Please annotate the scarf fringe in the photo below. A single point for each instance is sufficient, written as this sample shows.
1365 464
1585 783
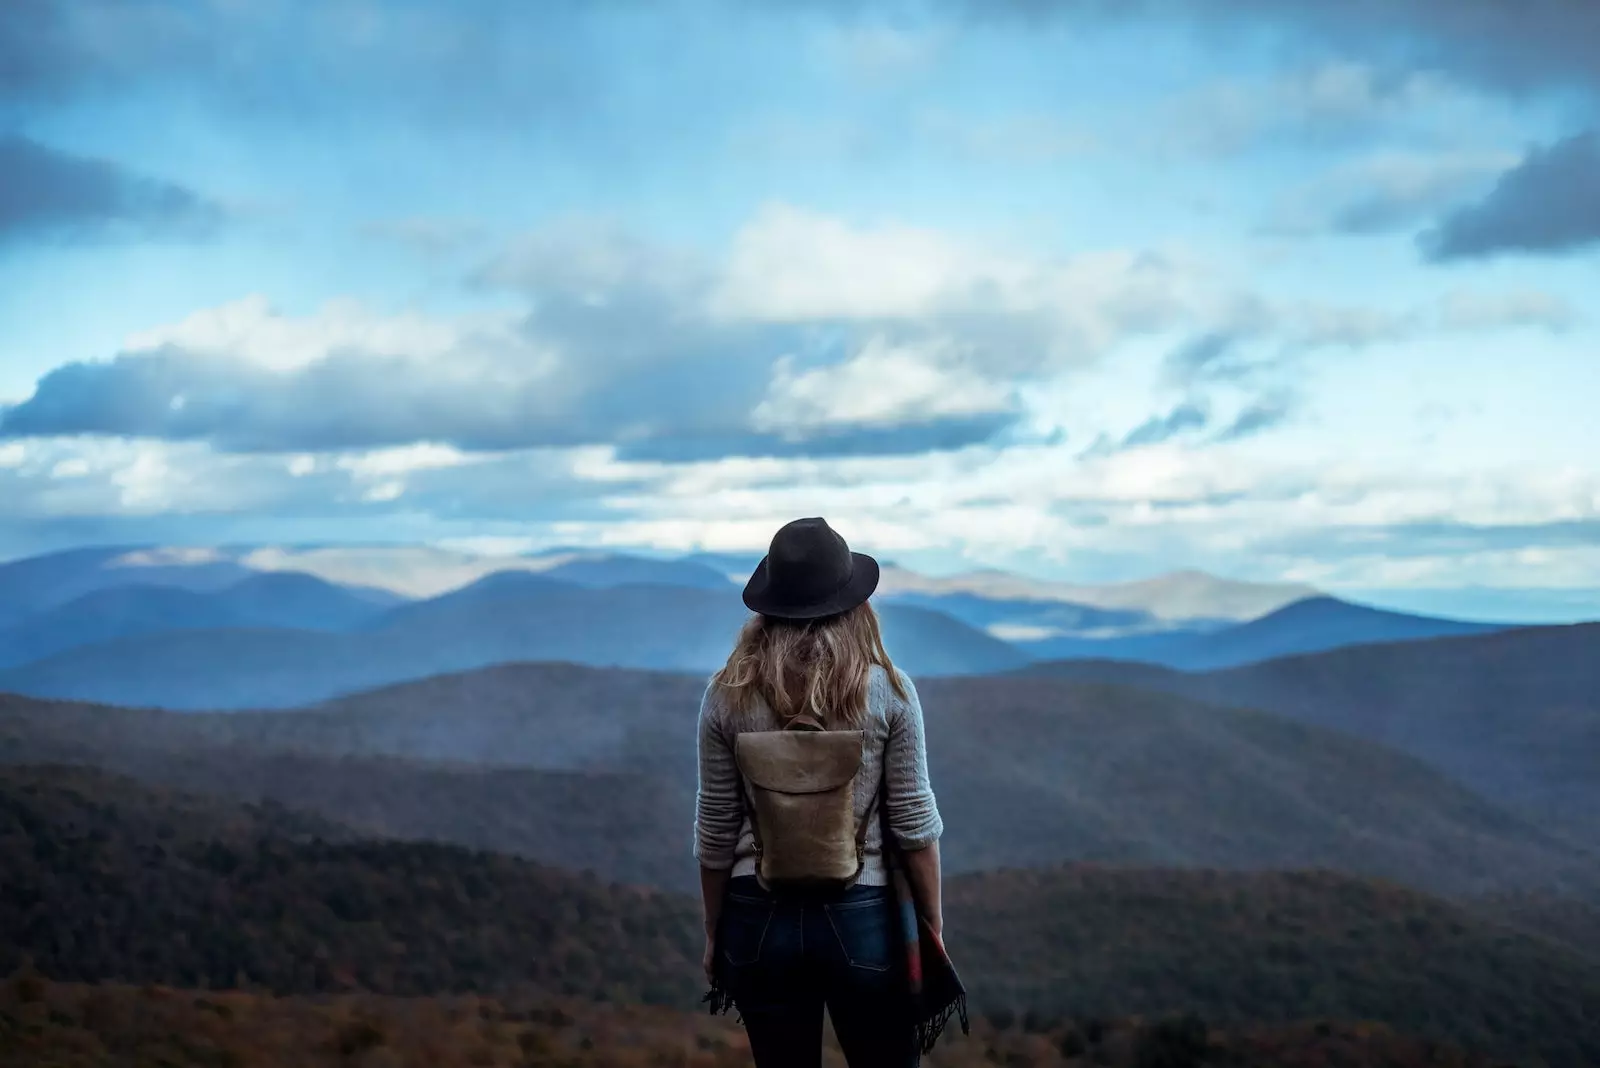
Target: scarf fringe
718 1001
928 1031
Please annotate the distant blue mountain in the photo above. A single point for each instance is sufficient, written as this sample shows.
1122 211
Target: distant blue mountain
730 564
266 599
39 583
505 617
621 570
109 614
1315 624
295 599
986 612
52 604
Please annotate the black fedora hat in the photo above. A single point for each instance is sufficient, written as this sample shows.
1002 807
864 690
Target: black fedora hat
808 573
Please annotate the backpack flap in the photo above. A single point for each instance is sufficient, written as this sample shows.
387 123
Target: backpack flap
802 793
798 762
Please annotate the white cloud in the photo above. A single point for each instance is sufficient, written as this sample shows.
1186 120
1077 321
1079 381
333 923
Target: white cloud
113 477
882 385
1232 509
170 556
793 265
404 459
886 326
1475 311
149 482
1021 632
12 454
790 265
251 330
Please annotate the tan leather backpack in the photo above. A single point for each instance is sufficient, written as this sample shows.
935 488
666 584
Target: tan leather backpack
801 800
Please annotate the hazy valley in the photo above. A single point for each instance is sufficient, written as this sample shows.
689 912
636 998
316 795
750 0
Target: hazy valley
488 788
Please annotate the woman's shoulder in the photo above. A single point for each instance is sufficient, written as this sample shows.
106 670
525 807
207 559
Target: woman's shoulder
714 700
882 693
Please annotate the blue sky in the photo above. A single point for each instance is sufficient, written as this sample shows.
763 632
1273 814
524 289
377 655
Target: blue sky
1299 291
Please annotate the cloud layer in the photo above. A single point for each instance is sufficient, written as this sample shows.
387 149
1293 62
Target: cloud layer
1548 203
809 337
1099 288
54 196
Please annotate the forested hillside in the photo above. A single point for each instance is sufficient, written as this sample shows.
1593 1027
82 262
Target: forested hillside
105 880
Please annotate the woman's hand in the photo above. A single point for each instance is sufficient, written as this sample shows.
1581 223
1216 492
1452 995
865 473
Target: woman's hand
713 888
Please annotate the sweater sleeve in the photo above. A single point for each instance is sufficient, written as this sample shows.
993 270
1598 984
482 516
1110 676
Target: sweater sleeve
913 813
719 811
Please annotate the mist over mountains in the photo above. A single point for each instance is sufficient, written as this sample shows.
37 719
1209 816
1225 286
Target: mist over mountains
196 629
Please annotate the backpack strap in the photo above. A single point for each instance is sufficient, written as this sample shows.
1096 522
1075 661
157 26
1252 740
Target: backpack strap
805 721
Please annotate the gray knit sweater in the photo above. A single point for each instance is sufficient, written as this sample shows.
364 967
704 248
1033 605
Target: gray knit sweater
893 750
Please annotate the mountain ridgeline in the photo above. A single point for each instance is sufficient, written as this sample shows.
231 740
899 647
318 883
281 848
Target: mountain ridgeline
150 629
505 617
1513 715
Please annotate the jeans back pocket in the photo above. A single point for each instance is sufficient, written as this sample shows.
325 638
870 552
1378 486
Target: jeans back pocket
865 932
743 929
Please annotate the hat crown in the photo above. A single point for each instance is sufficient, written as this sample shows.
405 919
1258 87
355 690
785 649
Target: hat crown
808 560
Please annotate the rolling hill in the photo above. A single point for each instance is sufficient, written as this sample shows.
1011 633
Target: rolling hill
534 759
101 874
1514 715
1269 946
501 618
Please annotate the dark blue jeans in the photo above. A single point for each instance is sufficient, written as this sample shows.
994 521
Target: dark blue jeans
784 957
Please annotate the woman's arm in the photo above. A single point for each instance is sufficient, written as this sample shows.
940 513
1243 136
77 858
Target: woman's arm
719 816
913 814
922 869
713 885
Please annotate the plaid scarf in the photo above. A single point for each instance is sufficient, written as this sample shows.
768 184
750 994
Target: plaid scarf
935 990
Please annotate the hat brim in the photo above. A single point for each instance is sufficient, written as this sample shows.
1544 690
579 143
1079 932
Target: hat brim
758 595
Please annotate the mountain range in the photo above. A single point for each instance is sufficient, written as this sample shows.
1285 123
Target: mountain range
216 629
1312 625
1257 803
508 616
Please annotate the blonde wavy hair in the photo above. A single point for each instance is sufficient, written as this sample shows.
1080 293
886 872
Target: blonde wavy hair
819 666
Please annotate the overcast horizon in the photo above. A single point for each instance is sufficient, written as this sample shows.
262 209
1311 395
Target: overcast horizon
1293 294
